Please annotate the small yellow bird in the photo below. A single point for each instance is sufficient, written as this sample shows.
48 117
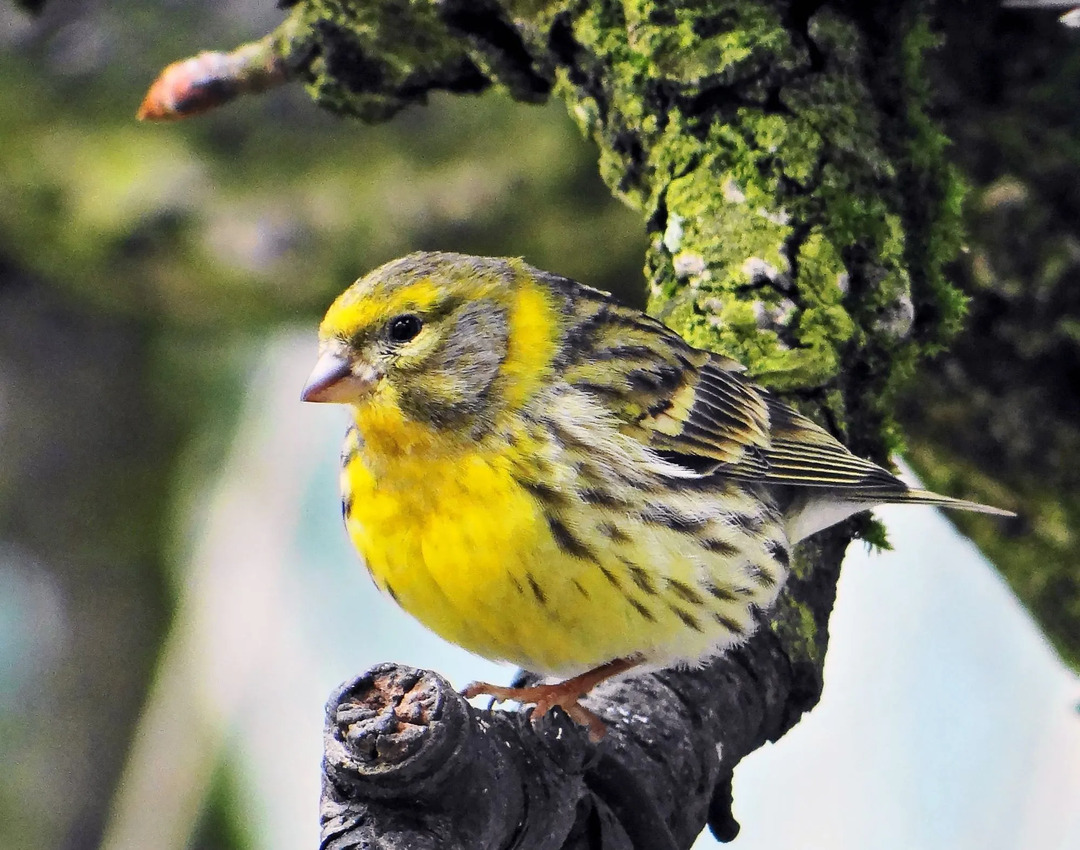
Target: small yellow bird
545 477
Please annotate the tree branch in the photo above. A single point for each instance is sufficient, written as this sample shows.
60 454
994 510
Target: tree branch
410 764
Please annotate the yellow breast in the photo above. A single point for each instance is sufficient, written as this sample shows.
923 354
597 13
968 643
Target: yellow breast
440 533
448 531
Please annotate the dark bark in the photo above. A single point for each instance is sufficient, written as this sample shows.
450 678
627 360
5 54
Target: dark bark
410 764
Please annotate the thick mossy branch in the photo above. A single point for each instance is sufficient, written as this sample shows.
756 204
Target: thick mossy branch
800 214
800 203
371 59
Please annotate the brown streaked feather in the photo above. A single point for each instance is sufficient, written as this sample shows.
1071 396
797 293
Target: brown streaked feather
802 453
697 409
676 398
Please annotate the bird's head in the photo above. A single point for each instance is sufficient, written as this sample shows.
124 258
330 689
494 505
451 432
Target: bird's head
433 333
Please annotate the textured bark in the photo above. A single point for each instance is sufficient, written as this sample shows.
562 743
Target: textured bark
410 764
800 212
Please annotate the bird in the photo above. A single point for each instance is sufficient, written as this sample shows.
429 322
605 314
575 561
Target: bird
546 477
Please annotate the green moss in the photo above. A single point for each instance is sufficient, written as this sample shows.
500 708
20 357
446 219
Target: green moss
796 626
371 59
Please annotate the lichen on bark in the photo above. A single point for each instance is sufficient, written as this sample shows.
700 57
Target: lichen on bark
797 196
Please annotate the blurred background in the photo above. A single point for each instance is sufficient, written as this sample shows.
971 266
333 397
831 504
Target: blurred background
177 597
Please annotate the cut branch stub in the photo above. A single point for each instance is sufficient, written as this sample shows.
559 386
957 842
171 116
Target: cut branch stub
394 730
409 763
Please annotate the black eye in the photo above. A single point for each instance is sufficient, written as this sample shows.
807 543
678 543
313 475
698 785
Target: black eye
404 328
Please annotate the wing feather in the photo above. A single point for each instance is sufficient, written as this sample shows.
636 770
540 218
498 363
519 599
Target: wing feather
698 409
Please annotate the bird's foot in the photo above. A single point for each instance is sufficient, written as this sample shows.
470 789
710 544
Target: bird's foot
566 695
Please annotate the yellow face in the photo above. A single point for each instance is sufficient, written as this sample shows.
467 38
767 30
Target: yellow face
432 331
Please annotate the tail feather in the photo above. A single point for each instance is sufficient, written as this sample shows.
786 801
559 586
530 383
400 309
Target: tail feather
915 496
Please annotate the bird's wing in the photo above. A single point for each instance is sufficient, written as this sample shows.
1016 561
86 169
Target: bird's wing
803 453
713 415
698 410
689 405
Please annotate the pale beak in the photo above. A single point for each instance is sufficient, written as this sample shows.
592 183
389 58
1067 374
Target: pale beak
332 380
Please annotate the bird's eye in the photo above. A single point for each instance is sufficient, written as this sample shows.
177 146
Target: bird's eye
404 328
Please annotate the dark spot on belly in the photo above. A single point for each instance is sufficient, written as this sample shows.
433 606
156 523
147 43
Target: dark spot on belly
721 593
688 619
602 498
566 541
545 494
346 506
581 589
611 577
641 577
667 517
392 593
641 609
731 625
761 575
516 583
683 590
720 547
612 532
538 591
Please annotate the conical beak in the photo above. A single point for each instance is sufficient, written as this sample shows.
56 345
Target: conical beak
332 380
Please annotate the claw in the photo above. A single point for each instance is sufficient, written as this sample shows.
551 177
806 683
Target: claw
566 695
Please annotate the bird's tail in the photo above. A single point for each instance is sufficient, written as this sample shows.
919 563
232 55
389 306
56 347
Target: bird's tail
913 496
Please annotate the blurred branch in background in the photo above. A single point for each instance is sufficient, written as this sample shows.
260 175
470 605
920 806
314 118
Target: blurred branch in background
998 414
215 662
83 509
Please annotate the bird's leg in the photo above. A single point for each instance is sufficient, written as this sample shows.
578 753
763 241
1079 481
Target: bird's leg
566 694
